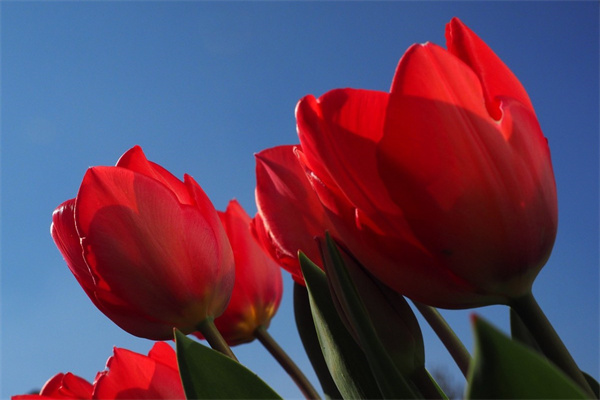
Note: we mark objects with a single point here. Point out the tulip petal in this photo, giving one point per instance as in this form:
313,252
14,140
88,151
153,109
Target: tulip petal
428,71
223,275
66,386
339,133
135,160
65,237
258,286
281,186
496,78
135,376
445,166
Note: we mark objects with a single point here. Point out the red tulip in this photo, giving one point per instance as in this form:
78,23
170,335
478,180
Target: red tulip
443,188
61,386
148,249
290,213
136,376
258,283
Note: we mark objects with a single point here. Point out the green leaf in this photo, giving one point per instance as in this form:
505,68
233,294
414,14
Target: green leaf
506,369
379,309
310,341
520,332
208,374
593,384
345,360
392,383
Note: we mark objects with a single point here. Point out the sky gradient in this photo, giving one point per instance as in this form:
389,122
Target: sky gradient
202,86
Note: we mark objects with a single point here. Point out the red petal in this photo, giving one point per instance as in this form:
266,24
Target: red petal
52,386
430,72
281,186
258,285
135,160
339,133
135,376
66,386
445,166
65,237
162,353
75,387
496,78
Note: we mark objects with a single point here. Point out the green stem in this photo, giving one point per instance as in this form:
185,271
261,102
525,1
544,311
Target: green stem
455,347
214,338
286,363
546,337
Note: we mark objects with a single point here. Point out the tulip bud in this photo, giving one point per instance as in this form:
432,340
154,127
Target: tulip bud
258,283
148,249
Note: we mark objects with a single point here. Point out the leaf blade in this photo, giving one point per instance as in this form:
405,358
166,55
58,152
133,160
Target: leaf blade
345,360
208,374
504,368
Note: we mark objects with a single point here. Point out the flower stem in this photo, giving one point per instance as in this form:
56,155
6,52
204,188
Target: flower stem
286,363
214,338
546,337
455,347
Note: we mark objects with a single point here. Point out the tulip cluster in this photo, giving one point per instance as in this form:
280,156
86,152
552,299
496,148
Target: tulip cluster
439,191
152,253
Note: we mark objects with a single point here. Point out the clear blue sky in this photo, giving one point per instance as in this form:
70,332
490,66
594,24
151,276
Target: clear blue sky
201,86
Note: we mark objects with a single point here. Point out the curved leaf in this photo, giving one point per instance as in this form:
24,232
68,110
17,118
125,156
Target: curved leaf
345,359
392,382
208,374
506,369
310,341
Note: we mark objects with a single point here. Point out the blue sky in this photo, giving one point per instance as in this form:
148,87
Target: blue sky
201,86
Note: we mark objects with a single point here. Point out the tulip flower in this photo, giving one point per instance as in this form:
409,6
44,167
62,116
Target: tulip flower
148,249
258,284
128,375
61,386
136,376
443,187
